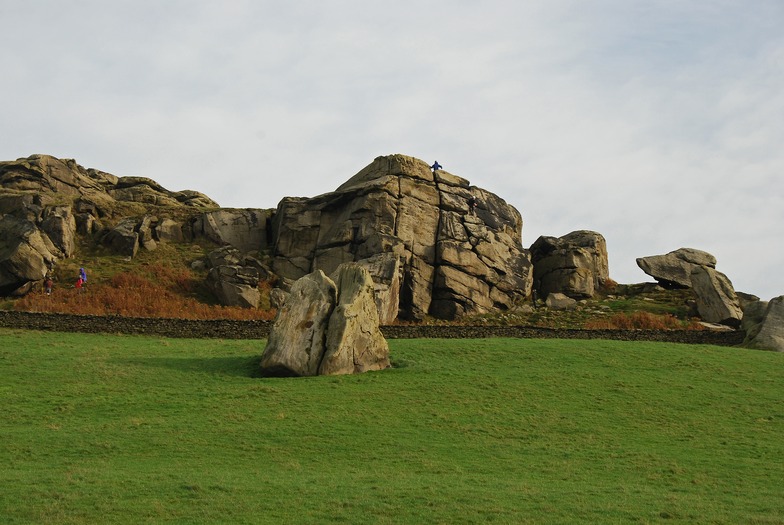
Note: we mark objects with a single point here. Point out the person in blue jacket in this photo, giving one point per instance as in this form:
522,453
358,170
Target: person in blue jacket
436,166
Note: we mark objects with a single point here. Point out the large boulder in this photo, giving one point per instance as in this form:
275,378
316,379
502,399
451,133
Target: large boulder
327,327
354,342
295,346
575,265
716,298
450,261
768,334
674,269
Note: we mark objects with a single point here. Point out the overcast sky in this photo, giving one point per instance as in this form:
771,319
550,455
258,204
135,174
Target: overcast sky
657,123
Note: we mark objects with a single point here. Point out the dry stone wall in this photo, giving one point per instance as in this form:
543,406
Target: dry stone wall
224,329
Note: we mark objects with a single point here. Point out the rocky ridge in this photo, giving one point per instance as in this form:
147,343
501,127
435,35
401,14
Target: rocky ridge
428,253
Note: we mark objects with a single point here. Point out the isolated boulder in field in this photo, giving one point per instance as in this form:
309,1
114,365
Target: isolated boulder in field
716,299
295,346
674,269
26,255
575,264
769,333
354,341
326,327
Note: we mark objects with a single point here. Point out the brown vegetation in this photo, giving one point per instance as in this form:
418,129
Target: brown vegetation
641,321
160,291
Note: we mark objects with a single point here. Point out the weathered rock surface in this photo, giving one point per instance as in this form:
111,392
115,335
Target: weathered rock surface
559,301
296,343
327,328
57,199
575,264
674,269
716,299
450,262
768,334
246,230
354,341
235,285
26,255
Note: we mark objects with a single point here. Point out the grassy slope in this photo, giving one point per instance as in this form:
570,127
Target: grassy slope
136,429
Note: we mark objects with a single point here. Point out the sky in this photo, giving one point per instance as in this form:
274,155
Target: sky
657,123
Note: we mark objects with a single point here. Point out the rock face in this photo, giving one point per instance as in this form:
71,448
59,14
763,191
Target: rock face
327,328
575,265
768,334
450,261
412,229
674,269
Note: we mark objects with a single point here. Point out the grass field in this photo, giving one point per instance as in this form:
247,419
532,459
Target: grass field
114,429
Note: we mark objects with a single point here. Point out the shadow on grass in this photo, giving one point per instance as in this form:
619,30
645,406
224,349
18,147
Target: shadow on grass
229,366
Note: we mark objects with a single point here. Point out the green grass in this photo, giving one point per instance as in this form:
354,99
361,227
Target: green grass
116,429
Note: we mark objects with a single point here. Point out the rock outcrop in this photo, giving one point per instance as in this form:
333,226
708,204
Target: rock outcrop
674,269
768,334
327,327
575,265
450,261
716,299
46,202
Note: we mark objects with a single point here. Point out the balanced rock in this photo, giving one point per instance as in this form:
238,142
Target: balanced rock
768,334
575,265
674,269
327,328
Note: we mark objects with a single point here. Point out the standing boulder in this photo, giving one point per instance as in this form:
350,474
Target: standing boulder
354,341
327,328
296,342
674,269
716,298
769,333
575,265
